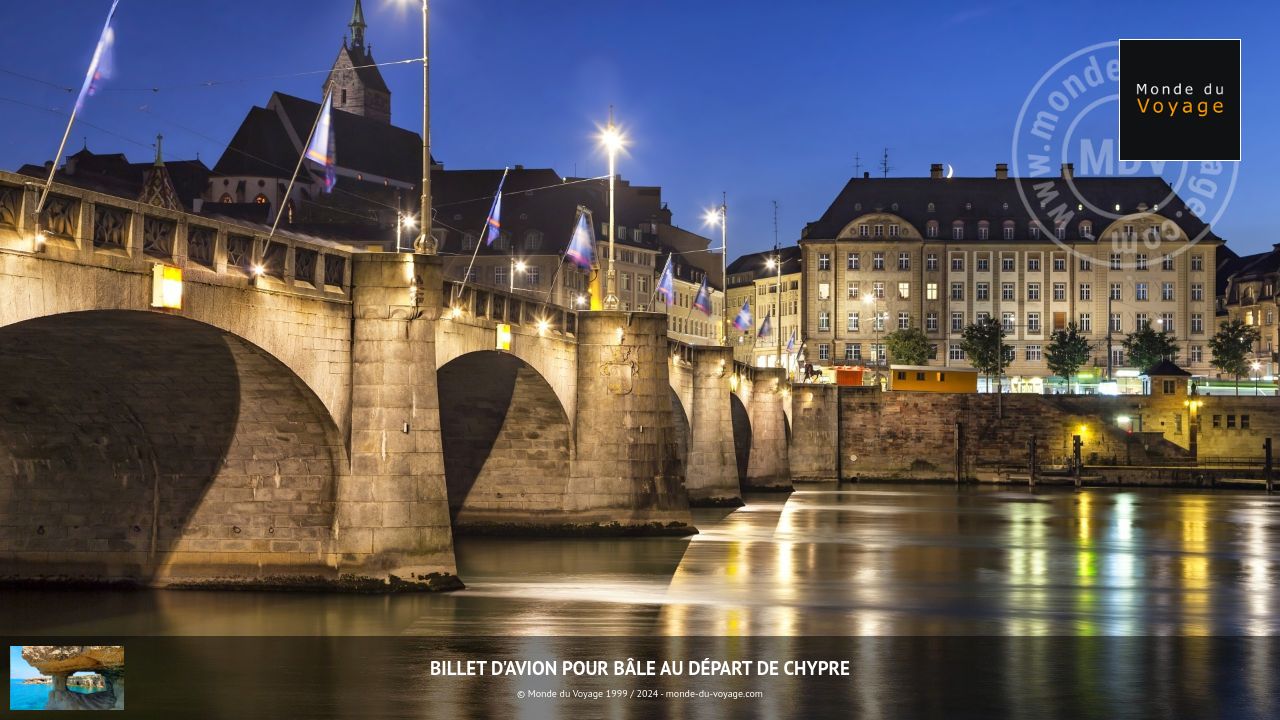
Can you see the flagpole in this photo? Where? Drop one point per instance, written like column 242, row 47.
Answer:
column 75, row 110
column 301, row 156
column 467, row 275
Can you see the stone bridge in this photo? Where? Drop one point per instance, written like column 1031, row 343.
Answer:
column 314, row 414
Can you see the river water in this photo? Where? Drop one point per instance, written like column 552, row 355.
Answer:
column 990, row 569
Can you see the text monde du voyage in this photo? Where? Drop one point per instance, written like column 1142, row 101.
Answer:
column 638, row 668
column 1179, row 100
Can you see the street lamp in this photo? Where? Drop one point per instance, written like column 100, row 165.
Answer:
column 870, row 299
column 720, row 216
column 407, row 222
column 1257, row 367
column 517, row 266
column 613, row 141
column 775, row 263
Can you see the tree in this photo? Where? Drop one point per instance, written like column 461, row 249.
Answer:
column 1066, row 352
column 1231, row 346
column 907, row 347
column 983, row 344
column 1147, row 347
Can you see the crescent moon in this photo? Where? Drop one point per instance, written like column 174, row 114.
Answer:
column 950, row 171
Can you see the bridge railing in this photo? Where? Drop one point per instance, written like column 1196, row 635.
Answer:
column 487, row 303
column 93, row 228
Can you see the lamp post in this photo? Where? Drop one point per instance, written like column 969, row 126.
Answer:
column 516, row 266
column 1257, row 367
column 406, row 222
column 611, row 138
column 720, row 216
column 870, row 299
column 775, row 263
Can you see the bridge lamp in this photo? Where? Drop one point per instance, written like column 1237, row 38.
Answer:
column 258, row 270
column 410, row 222
column 543, row 326
column 39, row 239
column 580, row 301
column 166, row 287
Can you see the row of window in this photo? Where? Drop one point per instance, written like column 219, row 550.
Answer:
column 1141, row 261
column 1032, row 325
column 1009, row 229
column 1030, row 353
column 691, row 326
column 1008, row 291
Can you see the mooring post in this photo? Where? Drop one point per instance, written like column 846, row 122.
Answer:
column 1076, row 445
column 1031, row 461
column 1266, row 467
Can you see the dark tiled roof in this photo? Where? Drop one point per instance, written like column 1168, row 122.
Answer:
column 973, row 199
column 1165, row 368
column 682, row 269
column 263, row 147
column 113, row 174
column 756, row 265
column 538, row 200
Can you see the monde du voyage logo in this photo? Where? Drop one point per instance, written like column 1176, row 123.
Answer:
column 1180, row 100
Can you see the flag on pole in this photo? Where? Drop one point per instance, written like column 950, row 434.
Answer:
column 100, row 65
column 743, row 321
column 582, row 247
column 493, row 225
column 320, row 149
column 766, row 327
column 666, row 284
column 702, row 300
column 791, row 341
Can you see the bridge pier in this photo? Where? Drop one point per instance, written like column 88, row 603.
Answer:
column 768, row 467
column 391, row 524
column 711, row 473
column 625, row 475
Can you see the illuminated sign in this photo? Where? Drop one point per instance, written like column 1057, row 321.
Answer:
column 504, row 336
column 166, row 287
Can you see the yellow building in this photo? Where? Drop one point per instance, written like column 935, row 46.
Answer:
column 925, row 378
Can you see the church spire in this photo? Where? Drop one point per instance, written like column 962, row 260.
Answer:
column 357, row 26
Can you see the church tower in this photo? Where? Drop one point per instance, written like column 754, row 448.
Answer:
column 357, row 84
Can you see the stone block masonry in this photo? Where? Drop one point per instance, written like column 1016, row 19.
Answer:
column 767, row 468
column 928, row 436
column 625, row 470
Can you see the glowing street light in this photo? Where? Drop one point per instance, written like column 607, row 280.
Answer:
column 613, row 141
column 517, row 266
column 719, row 216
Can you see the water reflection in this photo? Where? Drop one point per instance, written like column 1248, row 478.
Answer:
column 848, row 560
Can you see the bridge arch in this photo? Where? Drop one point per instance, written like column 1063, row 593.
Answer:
column 507, row 440
column 309, row 334
column 149, row 447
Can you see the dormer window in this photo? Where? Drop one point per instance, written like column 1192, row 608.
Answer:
column 931, row 227
column 931, row 207
column 1007, row 229
column 984, row 230
column 1086, row 229
column 957, row 230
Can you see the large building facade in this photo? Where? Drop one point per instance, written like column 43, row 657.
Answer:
column 1249, row 294
column 940, row 253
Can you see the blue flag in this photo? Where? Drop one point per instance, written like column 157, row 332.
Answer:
column 743, row 321
column 320, row 149
column 702, row 300
column 791, row 341
column 666, row 284
column 100, row 64
column 766, row 327
column 582, row 247
column 493, row 225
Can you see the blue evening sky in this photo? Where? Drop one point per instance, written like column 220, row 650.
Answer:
column 18, row 668
column 764, row 100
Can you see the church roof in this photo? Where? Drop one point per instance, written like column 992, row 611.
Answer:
column 263, row 145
